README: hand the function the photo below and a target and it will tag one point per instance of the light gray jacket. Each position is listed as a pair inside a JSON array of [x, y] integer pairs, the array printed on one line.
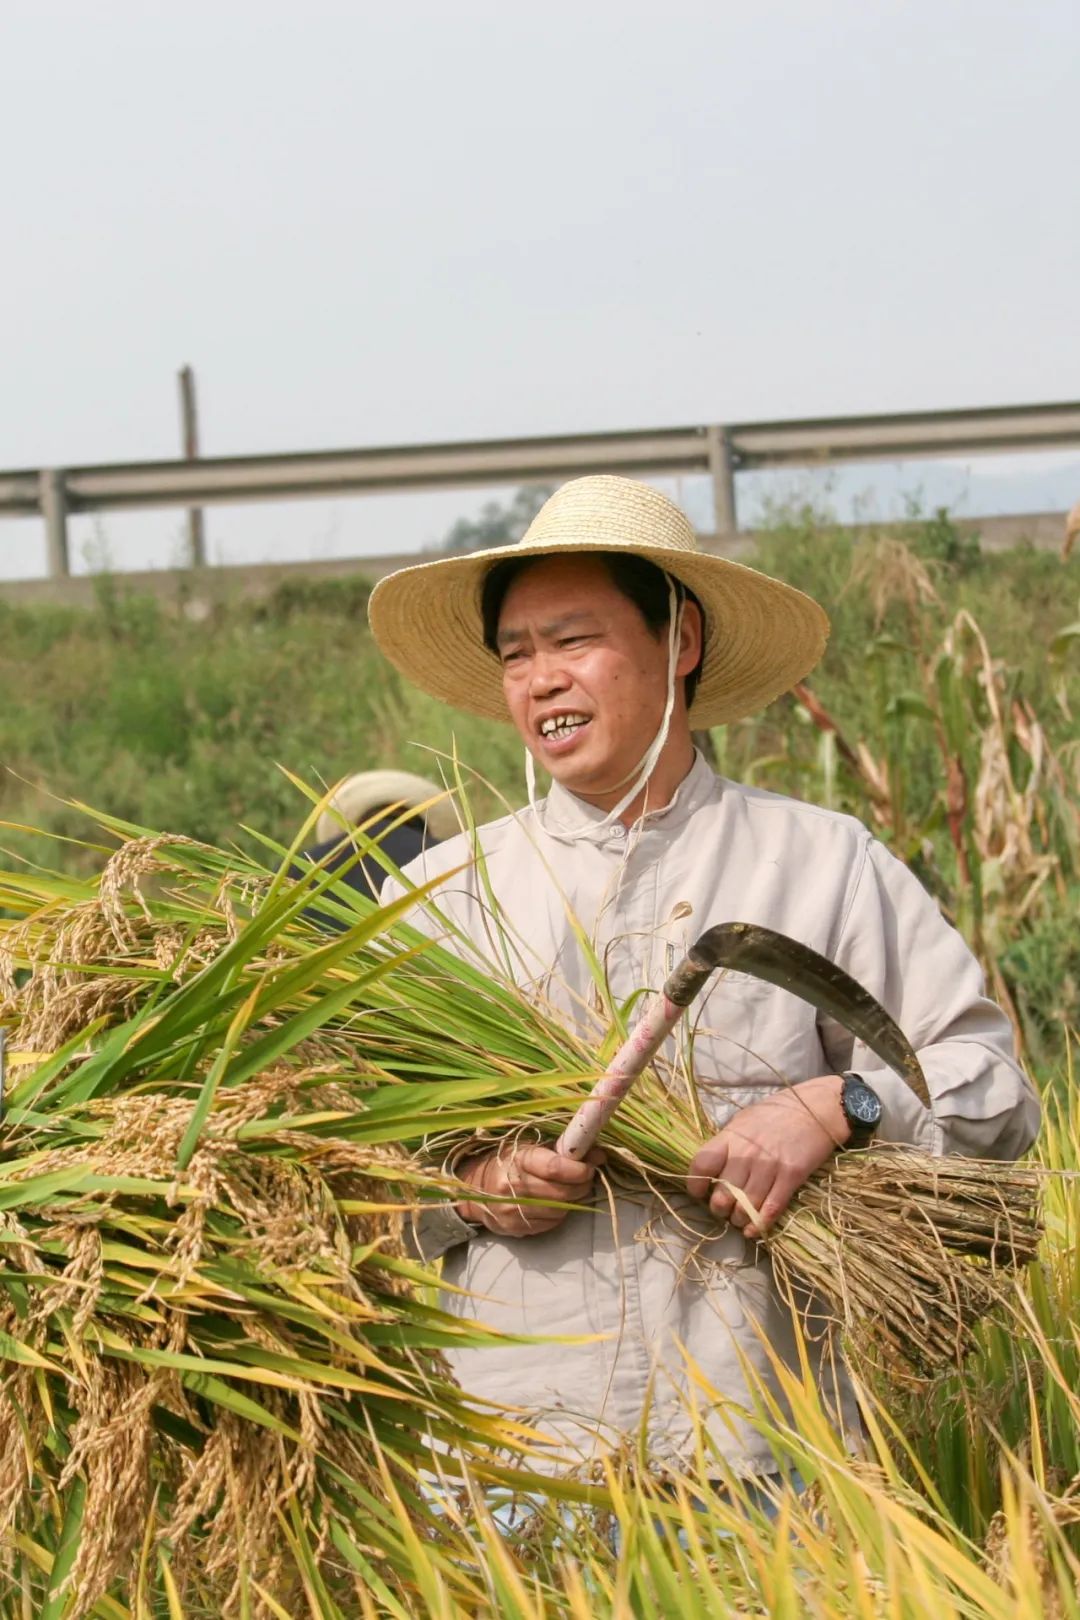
[[720, 852]]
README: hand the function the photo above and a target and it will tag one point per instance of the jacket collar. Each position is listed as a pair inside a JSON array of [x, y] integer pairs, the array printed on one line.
[[562, 813]]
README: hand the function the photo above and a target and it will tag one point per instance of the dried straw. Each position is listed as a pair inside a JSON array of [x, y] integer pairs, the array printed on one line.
[[908, 1252]]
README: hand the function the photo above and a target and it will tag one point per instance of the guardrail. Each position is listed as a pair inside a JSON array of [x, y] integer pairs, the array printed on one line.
[[719, 451]]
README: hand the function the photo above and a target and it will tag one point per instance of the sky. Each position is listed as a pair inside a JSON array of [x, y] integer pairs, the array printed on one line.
[[366, 224]]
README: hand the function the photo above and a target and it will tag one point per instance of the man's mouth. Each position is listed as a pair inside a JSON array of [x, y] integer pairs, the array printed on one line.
[[560, 729]]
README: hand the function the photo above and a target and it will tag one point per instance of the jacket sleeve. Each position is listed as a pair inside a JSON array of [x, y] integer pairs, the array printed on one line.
[[895, 941], [435, 1229]]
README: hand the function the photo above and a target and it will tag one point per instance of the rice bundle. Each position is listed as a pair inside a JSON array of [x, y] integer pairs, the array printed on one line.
[[200, 1353], [220, 1377], [219, 1371], [909, 1252]]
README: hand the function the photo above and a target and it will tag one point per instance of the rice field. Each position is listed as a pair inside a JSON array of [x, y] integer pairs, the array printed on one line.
[[222, 1372]]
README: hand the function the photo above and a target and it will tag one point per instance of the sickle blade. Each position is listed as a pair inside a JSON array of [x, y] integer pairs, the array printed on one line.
[[777, 959]]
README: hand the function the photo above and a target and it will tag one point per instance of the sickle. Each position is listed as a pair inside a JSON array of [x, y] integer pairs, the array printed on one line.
[[764, 954]]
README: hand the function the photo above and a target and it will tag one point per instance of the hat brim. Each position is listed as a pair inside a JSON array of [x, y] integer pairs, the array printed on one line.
[[360, 795], [761, 636]]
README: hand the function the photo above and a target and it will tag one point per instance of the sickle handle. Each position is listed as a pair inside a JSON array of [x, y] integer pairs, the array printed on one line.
[[636, 1052], [765, 954]]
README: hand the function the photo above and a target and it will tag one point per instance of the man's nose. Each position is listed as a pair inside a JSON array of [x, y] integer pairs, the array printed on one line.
[[548, 675]]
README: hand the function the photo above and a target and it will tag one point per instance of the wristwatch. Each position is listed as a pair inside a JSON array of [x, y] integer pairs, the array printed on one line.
[[862, 1109]]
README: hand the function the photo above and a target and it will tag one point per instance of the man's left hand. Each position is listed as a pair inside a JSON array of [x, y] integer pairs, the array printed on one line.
[[768, 1151]]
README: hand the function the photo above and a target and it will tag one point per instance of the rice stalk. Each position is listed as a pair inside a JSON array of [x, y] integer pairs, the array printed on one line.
[[904, 1248], [222, 1353], [217, 1119]]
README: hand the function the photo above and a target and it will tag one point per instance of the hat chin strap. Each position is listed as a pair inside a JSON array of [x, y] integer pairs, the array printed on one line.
[[648, 762]]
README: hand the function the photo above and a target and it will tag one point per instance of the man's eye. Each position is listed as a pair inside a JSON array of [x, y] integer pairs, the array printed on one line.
[[573, 641], [512, 657]]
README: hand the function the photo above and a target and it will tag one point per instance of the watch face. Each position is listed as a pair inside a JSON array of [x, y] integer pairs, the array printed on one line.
[[862, 1104]]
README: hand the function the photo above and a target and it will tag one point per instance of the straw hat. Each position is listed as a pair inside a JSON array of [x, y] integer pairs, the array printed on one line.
[[367, 791], [761, 636]]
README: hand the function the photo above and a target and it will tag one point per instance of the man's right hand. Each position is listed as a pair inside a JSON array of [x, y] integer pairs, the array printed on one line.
[[525, 1172]]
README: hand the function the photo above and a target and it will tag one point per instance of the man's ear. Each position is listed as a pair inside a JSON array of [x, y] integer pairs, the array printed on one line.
[[691, 638]]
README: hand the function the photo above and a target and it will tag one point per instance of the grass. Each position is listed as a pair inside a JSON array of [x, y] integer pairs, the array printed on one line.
[[179, 724]]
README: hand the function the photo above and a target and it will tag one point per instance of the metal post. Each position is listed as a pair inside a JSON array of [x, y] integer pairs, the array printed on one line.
[[189, 422], [722, 471], [53, 496]]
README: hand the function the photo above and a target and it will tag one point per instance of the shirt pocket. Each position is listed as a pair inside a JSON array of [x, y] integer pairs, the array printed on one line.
[[749, 1038]]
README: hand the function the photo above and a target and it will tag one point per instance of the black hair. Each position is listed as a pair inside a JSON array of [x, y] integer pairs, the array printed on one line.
[[639, 580]]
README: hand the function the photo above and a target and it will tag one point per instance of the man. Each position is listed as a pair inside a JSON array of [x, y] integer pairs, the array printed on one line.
[[604, 636]]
